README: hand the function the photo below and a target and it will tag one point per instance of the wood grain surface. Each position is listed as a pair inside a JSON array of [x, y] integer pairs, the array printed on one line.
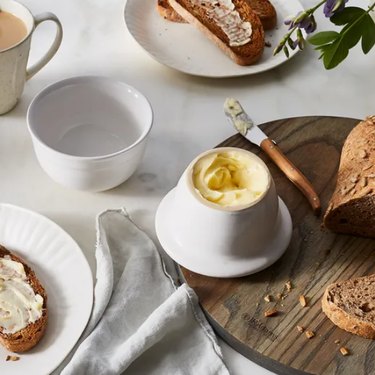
[[314, 259]]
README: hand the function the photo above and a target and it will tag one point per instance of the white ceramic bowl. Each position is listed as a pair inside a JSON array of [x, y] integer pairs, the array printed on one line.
[[89, 133], [223, 242]]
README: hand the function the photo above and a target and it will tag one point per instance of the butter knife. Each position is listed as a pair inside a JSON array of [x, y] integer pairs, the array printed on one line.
[[245, 126]]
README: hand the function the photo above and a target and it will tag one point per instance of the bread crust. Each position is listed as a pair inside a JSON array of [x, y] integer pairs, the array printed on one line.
[[351, 209], [26, 338], [167, 12], [243, 55], [344, 320], [266, 13]]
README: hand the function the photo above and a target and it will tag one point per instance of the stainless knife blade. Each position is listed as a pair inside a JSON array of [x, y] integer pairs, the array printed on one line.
[[242, 122], [245, 126]]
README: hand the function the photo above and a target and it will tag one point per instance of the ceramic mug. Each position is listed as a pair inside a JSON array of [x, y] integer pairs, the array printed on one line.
[[13, 61]]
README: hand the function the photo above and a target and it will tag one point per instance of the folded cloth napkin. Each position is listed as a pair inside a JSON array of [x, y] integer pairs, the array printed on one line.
[[141, 322]]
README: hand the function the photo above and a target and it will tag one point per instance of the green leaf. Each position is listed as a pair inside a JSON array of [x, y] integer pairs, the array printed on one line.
[[352, 33], [368, 34], [324, 37], [334, 54], [347, 15]]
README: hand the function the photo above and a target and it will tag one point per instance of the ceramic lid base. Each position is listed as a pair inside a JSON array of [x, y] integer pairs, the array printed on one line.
[[222, 267]]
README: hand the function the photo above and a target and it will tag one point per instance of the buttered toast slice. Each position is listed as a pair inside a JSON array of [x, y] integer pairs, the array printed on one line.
[[23, 304], [263, 8], [231, 24]]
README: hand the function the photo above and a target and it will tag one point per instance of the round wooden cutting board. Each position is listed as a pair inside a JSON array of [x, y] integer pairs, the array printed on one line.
[[314, 259]]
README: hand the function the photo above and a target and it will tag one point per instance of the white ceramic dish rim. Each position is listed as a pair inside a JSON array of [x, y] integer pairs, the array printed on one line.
[[277, 246], [30, 29], [229, 209], [84, 267], [82, 79], [248, 70]]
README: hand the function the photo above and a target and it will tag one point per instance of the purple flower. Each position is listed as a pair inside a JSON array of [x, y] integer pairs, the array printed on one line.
[[303, 21], [333, 6]]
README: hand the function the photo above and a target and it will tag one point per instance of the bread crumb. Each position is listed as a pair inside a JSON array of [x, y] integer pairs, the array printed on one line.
[[344, 351], [337, 341], [12, 358], [300, 329], [288, 286], [268, 298], [302, 300], [271, 312], [309, 334]]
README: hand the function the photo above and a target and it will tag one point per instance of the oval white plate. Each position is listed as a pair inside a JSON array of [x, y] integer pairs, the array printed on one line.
[[182, 47], [65, 274]]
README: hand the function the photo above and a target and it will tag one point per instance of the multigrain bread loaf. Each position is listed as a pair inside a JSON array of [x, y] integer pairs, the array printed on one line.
[[263, 8], [238, 31], [167, 12], [350, 305], [26, 338], [352, 207], [266, 13]]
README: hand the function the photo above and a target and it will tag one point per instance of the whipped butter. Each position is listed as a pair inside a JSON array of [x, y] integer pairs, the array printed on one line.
[[230, 178], [19, 305], [223, 13]]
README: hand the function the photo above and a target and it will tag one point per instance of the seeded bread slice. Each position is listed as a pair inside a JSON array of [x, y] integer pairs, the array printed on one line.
[[352, 207], [350, 305], [29, 336], [246, 54], [167, 12]]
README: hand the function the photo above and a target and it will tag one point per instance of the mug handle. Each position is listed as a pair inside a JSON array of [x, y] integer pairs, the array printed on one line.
[[38, 19]]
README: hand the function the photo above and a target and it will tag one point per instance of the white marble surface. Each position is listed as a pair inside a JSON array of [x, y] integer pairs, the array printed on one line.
[[188, 116]]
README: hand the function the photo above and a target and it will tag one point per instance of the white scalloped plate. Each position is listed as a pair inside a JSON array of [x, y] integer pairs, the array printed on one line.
[[182, 47], [64, 272]]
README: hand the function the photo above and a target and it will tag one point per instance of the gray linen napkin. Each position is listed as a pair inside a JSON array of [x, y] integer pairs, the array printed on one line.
[[141, 323]]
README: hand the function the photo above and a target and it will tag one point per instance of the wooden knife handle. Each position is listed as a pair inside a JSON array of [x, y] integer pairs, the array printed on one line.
[[292, 172]]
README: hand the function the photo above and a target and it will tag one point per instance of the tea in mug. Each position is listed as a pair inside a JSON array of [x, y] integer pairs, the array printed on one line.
[[12, 30]]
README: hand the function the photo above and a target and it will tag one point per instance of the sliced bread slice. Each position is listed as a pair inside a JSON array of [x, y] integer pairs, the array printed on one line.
[[352, 206], [228, 28], [167, 12], [266, 13], [27, 337], [350, 305], [263, 8]]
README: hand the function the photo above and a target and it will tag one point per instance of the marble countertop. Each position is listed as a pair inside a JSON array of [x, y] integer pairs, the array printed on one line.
[[188, 117]]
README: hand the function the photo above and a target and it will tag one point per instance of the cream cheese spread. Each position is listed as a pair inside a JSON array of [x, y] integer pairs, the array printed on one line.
[[19, 305], [229, 178], [223, 13]]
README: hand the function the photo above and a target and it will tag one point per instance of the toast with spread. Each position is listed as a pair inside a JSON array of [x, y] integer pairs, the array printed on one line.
[[23, 304], [263, 8], [352, 206], [232, 25]]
